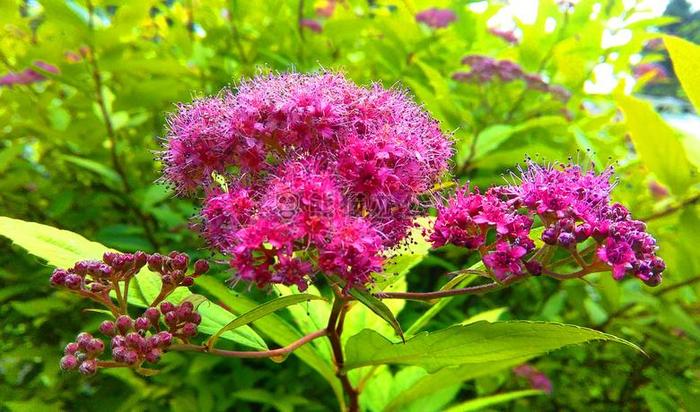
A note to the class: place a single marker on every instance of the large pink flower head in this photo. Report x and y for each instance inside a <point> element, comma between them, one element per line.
<point>573,207</point>
<point>321,174</point>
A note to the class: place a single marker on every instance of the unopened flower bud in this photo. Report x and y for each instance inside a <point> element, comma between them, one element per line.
<point>118,353</point>
<point>108,328</point>
<point>130,357</point>
<point>187,281</point>
<point>654,280</point>
<point>124,324</point>
<point>164,338</point>
<point>82,340</point>
<point>549,236</point>
<point>195,318</point>
<point>58,277</point>
<point>71,348</point>
<point>155,262</point>
<point>534,267</point>
<point>153,356</point>
<point>69,362</point>
<point>180,261</point>
<point>73,281</point>
<point>108,257</point>
<point>118,341</point>
<point>142,323</point>
<point>189,329</point>
<point>658,265</point>
<point>171,319</point>
<point>185,309</point>
<point>566,239</point>
<point>140,259</point>
<point>153,315</point>
<point>134,340</point>
<point>89,367</point>
<point>582,232</point>
<point>95,346</point>
<point>166,307</point>
<point>167,279</point>
<point>201,267</point>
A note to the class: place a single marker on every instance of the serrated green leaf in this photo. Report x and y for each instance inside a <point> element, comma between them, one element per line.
<point>657,144</point>
<point>475,343</point>
<point>261,311</point>
<point>685,57</point>
<point>378,307</point>
<point>61,248</point>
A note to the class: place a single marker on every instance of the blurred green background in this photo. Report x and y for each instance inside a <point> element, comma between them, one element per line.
<point>85,87</point>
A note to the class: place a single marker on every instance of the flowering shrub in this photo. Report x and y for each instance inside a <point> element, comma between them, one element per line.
<point>310,175</point>
<point>77,142</point>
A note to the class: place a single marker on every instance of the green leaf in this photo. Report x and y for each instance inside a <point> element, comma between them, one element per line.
<point>378,307</point>
<point>214,318</point>
<point>494,136</point>
<point>428,384</point>
<point>657,144</point>
<point>261,311</point>
<point>483,402</point>
<point>276,328</point>
<point>61,248</point>
<point>475,343</point>
<point>109,175</point>
<point>685,57</point>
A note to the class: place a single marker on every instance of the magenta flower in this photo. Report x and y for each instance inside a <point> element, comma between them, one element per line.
<point>322,175</point>
<point>28,75</point>
<point>311,24</point>
<point>573,206</point>
<point>436,18</point>
<point>537,379</point>
<point>507,35</point>
<point>505,260</point>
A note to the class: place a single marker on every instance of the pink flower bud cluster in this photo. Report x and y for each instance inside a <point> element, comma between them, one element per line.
<point>97,278</point>
<point>536,378</point>
<point>133,341</point>
<point>311,163</point>
<point>28,75</point>
<point>436,18</point>
<point>486,69</point>
<point>572,205</point>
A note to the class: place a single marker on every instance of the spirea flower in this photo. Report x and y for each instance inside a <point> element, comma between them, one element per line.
<point>310,161</point>
<point>573,207</point>
<point>487,69</point>
<point>436,18</point>
<point>28,75</point>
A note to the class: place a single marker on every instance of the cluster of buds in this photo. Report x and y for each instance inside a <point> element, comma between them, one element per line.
<point>173,268</point>
<point>82,354</point>
<point>436,18</point>
<point>133,340</point>
<point>486,69</point>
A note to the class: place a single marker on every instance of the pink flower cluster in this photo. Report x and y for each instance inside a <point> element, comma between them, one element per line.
<point>573,207</point>
<point>486,69</point>
<point>436,18</point>
<point>320,174</point>
<point>536,378</point>
<point>28,75</point>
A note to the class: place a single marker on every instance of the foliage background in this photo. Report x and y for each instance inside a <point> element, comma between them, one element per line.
<point>77,152</point>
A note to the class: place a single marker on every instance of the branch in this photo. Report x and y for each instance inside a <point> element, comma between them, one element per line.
<point>186,347</point>
<point>671,210</point>
<point>471,290</point>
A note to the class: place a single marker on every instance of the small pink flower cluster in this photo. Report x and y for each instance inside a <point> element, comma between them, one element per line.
<point>436,18</point>
<point>536,378</point>
<point>320,174</point>
<point>572,205</point>
<point>28,75</point>
<point>485,69</point>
